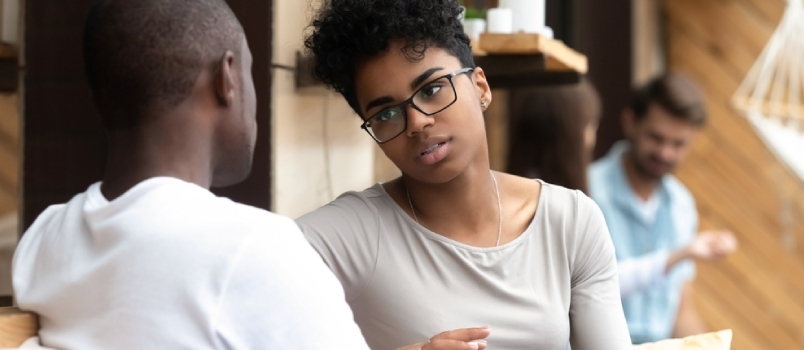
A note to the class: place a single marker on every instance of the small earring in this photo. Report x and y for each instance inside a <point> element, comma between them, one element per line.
<point>483,104</point>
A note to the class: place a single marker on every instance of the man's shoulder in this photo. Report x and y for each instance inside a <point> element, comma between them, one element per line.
<point>600,180</point>
<point>55,216</point>
<point>599,167</point>
<point>232,224</point>
<point>246,212</point>
<point>678,191</point>
<point>609,162</point>
<point>197,207</point>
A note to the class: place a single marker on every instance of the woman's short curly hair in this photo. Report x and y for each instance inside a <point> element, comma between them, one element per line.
<point>346,31</point>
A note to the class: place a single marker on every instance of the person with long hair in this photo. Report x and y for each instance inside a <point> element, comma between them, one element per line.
<point>450,243</point>
<point>553,132</point>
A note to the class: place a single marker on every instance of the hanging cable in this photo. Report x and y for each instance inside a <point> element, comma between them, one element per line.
<point>325,140</point>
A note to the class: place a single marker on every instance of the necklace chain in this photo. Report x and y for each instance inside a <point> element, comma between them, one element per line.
<point>499,207</point>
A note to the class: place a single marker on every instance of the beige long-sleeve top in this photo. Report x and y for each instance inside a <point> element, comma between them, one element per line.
<point>553,285</point>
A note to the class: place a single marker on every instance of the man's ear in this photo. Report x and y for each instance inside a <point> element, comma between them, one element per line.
<point>628,120</point>
<point>482,87</point>
<point>225,80</point>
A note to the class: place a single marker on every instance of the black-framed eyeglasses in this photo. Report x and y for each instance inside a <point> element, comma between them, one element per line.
<point>430,99</point>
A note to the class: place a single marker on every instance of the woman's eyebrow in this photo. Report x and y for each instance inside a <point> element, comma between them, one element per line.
<point>421,78</point>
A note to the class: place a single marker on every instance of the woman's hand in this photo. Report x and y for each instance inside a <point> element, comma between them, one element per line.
<point>459,339</point>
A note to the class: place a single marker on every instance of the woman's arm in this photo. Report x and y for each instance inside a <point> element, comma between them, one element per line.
<point>596,314</point>
<point>345,234</point>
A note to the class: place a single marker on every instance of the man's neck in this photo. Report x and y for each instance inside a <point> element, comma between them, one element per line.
<point>137,155</point>
<point>642,185</point>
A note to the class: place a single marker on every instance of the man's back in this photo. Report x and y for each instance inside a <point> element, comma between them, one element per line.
<point>169,265</point>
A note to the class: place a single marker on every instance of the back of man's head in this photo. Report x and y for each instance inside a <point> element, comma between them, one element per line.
<point>676,94</point>
<point>143,57</point>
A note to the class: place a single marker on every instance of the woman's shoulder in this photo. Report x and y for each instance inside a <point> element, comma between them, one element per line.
<point>349,206</point>
<point>568,200</point>
<point>549,206</point>
<point>523,197</point>
<point>555,198</point>
<point>345,233</point>
<point>522,189</point>
<point>560,207</point>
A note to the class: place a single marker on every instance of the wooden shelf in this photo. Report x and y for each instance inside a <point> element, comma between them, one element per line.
<point>559,57</point>
<point>525,60</point>
<point>522,71</point>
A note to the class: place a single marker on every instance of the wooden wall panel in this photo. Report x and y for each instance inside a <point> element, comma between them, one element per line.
<point>738,184</point>
<point>64,144</point>
<point>9,153</point>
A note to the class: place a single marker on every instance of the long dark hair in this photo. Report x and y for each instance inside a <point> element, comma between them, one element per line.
<point>547,133</point>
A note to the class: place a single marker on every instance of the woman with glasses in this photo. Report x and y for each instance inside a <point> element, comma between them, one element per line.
<point>450,244</point>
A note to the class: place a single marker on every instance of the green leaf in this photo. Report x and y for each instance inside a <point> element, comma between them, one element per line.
<point>472,12</point>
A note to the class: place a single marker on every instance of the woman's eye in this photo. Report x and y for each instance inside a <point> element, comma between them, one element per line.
<point>429,91</point>
<point>386,115</point>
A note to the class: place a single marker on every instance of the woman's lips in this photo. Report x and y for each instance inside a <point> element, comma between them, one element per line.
<point>435,153</point>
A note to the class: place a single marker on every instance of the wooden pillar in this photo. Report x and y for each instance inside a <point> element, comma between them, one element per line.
<point>603,30</point>
<point>64,143</point>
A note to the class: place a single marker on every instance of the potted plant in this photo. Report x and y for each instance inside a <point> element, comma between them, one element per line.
<point>474,21</point>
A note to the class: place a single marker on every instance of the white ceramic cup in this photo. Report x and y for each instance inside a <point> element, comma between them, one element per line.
<point>500,20</point>
<point>528,15</point>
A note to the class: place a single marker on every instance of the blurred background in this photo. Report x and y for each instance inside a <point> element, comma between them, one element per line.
<point>311,148</point>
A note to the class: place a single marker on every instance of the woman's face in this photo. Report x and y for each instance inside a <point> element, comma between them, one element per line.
<point>436,148</point>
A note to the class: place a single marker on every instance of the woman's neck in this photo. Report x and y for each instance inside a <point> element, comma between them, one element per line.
<point>464,209</point>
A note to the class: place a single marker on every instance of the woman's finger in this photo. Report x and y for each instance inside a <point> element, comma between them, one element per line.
<point>450,344</point>
<point>464,334</point>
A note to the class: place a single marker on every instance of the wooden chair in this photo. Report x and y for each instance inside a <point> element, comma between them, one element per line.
<point>16,326</point>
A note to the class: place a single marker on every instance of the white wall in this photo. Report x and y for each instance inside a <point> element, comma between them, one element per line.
<point>307,173</point>
<point>647,41</point>
<point>11,18</point>
<point>786,141</point>
<point>10,21</point>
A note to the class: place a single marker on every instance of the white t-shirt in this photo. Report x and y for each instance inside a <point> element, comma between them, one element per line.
<point>168,265</point>
<point>648,208</point>
<point>555,284</point>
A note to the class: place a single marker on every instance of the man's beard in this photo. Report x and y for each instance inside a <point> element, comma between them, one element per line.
<point>641,165</point>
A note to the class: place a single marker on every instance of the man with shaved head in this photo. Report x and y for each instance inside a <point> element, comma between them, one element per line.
<point>149,258</point>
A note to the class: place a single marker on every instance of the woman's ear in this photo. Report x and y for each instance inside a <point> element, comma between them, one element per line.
<point>225,79</point>
<point>482,87</point>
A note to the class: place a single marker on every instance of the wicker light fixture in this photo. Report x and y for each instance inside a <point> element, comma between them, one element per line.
<point>774,87</point>
<point>772,98</point>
